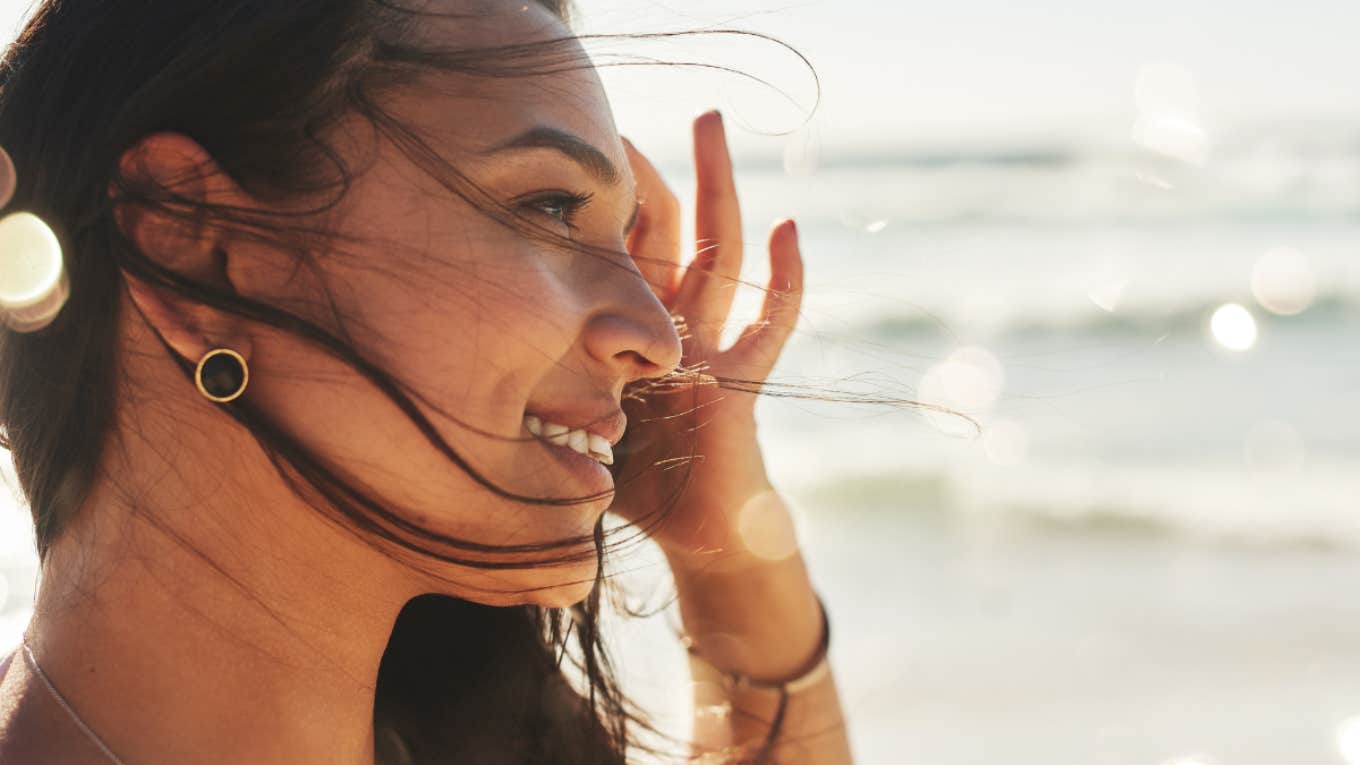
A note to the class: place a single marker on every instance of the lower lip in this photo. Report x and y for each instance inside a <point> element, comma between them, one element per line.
<point>589,470</point>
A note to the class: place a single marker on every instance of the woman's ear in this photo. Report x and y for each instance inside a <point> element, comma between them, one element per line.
<point>177,237</point>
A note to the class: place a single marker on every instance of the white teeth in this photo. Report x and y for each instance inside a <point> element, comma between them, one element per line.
<point>589,444</point>
<point>600,449</point>
<point>554,433</point>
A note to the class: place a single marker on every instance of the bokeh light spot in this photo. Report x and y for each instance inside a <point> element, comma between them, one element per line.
<point>969,381</point>
<point>1168,103</point>
<point>33,283</point>
<point>1283,282</point>
<point>1173,136</point>
<point>974,378</point>
<point>765,524</point>
<point>1233,327</point>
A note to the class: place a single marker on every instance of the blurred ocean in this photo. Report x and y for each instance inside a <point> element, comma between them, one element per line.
<point>1147,555</point>
<point>1070,302</point>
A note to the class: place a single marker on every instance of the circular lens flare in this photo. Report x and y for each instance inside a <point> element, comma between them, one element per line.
<point>1233,327</point>
<point>1283,282</point>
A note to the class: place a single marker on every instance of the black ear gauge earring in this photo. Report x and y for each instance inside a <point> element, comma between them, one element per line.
<point>222,375</point>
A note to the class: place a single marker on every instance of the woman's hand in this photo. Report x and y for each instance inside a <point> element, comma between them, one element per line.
<point>728,491</point>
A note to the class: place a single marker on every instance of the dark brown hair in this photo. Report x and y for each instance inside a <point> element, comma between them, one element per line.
<point>257,83</point>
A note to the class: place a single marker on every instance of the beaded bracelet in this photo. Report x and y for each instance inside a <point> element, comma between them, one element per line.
<point>816,669</point>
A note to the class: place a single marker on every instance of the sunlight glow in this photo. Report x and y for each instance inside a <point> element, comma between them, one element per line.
<point>1348,740</point>
<point>1168,105</point>
<point>1173,136</point>
<point>1233,327</point>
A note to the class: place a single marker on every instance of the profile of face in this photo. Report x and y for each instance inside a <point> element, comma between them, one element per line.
<point>483,323</point>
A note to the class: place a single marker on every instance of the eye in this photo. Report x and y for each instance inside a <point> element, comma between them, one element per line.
<point>562,205</point>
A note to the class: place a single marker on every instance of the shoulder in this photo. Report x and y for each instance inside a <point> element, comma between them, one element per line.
<point>16,747</point>
<point>30,732</point>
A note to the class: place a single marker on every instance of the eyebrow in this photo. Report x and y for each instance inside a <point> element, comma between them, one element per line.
<point>593,160</point>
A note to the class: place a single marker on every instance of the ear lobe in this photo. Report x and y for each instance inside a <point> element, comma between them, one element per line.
<point>192,330</point>
<point>179,175</point>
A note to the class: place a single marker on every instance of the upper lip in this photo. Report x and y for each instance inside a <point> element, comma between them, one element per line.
<point>609,425</point>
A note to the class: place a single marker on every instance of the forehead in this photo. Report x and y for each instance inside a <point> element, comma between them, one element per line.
<point>516,67</point>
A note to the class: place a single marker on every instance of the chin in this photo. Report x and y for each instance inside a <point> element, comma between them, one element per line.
<point>562,586</point>
<point>564,597</point>
<point>558,586</point>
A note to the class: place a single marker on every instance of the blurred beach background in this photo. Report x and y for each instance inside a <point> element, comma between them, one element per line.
<point>1125,239</point>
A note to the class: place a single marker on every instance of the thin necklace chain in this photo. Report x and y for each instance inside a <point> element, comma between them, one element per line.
<point>403,752</point>
<point>33,662</point>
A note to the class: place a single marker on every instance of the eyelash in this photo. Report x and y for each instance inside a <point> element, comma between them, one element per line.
<point>571,204</point>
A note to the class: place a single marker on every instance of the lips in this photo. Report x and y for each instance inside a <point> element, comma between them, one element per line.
<point>588,470</point>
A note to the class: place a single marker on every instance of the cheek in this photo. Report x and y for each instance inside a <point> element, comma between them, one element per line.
<point>469,315</point>
<point>485,308</point>
<point>473,331</point>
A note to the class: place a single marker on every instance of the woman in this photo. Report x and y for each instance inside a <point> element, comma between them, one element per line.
<point>395,253</point>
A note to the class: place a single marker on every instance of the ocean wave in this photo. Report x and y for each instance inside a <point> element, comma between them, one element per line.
<point>1147,321</point>
<point>1210,503</point>
<point>1060,186</point>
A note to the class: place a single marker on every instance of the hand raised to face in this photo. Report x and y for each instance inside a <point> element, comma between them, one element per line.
<point>715,422</point>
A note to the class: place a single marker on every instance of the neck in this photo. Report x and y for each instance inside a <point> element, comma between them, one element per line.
<point>169,656</point>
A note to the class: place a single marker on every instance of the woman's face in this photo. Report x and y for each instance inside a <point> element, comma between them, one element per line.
<point>483,322</point>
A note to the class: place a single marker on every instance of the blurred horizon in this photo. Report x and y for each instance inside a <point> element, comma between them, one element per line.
<point>985,75</point>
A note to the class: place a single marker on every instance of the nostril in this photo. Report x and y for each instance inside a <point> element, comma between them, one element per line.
<point>642,367</point>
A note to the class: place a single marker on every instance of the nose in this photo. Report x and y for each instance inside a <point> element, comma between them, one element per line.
<point>630,330</point>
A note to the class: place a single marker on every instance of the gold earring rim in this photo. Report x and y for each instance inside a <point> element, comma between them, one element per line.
<point>245,375</point>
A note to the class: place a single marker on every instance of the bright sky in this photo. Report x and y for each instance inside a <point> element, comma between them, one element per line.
<point>989,72</point>
<point>999,71</point>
